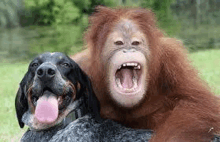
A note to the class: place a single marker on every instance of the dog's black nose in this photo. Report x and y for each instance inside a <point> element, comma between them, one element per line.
<point>46,71</point>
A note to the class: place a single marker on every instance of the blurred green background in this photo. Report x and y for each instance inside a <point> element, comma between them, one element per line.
<point>30,27</point>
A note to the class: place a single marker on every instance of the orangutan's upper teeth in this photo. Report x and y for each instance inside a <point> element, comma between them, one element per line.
<point>135,65</point>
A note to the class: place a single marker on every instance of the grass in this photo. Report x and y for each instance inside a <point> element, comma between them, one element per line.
<point>11,75</point>
<point>207,62</point>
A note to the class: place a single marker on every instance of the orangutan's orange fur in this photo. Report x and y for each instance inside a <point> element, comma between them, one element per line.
<point>178,105</point>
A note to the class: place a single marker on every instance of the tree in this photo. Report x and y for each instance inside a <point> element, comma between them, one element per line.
<point>163,13</point>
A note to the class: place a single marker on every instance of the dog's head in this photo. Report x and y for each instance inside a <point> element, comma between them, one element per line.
<point>51,89</point>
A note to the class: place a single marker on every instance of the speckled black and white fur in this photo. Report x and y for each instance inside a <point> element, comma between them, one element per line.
<point>86,129</point>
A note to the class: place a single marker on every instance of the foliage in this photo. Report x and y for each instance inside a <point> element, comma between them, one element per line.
<point>48,12</point>
<point>87,6</point>
<point>24,43</point>
<point>164,14</point>
<point>9,9</point>
<point>66,20</point>
<point>59,15</point>
<point>203,38</point>
<point>62,38</point>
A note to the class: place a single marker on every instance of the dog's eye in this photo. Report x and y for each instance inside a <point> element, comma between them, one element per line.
<point>66,65</point>
<point>34,64</point>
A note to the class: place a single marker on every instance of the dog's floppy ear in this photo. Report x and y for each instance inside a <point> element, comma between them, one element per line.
<point>86,89</point>
<point>21,103</point>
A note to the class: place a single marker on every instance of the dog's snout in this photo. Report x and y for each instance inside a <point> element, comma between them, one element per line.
<point>51,71</point>
<point>46,72</point>
<point>40,72</point>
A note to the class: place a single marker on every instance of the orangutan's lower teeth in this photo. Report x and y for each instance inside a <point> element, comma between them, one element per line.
<point>134,82</point>
<point>118,82</point>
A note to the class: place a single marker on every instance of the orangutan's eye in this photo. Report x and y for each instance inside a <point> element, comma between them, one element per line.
<point>135,43</point>
<point>119,42</point>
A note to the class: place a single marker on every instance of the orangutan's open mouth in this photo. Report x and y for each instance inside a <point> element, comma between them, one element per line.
<point>127,77</point>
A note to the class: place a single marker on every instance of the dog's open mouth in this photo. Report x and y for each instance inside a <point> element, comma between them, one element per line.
<point>49,106</point>
<point>127,77</point>
<point>46,110</point>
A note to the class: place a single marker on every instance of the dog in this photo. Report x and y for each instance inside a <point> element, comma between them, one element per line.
<point>48,91</point>
<point>53,93</point>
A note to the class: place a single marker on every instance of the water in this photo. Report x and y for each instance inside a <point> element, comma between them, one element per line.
<point>15,43</point>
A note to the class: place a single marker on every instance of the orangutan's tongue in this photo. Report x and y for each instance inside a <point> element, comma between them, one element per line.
<point>127,75</point>
<point>47,109</point>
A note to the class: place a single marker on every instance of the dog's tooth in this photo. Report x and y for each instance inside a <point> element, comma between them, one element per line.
<point>135,64</point>
<point>124,65</point>
<point>67,98</point>
<point>119,67</point>
<point>59,99</point>
<point>129,64</point>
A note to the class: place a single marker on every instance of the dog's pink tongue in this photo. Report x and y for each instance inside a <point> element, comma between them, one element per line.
<point>47,109</point>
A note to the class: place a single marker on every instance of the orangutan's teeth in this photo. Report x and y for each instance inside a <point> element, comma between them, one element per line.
<point>134,83</point>
<point>127,90</point>
<point>135,75</point>
<point>137,67</point>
